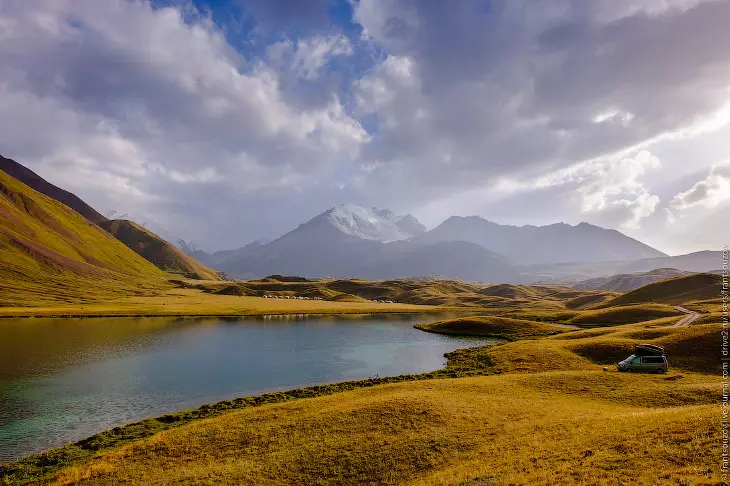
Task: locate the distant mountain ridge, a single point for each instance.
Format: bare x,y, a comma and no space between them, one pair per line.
555,243
373,224
331,244
350,241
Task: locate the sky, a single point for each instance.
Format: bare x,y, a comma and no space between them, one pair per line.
222,122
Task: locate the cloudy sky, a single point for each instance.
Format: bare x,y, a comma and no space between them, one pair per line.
224,122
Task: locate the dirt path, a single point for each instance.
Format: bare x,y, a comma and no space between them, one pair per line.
688,319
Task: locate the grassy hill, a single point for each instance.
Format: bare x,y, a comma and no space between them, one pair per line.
159,252
34,181
52,253
629,281
612,316
490,326
441,292
700,286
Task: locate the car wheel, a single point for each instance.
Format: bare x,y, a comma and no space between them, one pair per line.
659,371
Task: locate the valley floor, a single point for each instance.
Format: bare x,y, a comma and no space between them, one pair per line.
545,413
193,302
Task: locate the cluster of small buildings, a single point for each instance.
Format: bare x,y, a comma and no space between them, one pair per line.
291,297
384,301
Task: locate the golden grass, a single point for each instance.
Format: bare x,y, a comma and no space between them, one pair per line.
159,252
700,286
193,302
624,315
491,326
49,253
551,417
562,427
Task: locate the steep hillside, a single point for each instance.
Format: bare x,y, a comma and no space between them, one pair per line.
34,181
154,249
50,252
543,244
701,286
629,281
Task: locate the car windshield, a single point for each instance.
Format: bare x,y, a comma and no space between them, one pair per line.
628,360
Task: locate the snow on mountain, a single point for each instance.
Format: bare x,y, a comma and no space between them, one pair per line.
373,223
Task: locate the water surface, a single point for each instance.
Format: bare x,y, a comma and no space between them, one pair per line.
64,379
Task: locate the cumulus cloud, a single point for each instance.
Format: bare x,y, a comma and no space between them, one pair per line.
611,191
157,112
707,193
307,57
518,88
128,104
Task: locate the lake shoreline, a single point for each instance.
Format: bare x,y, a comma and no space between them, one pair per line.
33,315
41,312
463,362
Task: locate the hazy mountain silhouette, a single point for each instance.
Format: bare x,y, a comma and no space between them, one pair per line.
555,243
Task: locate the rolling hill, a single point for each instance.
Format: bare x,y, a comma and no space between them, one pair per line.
629,281
159,252
50,252
700,286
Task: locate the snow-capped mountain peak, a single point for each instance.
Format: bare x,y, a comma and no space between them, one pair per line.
373,223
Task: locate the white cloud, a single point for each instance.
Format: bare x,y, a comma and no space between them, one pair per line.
308,57
133,106
707,193
152,112
527,89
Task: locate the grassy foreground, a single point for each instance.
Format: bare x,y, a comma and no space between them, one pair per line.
545,413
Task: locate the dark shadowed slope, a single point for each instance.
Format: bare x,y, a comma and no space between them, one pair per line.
33,180
154,249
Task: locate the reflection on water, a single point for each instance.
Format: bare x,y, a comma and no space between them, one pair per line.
65,379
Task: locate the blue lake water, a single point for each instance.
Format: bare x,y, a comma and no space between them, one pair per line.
64,379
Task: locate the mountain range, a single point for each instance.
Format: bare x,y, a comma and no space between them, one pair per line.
350,241
555,243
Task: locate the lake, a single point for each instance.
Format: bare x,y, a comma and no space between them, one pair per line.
65,379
